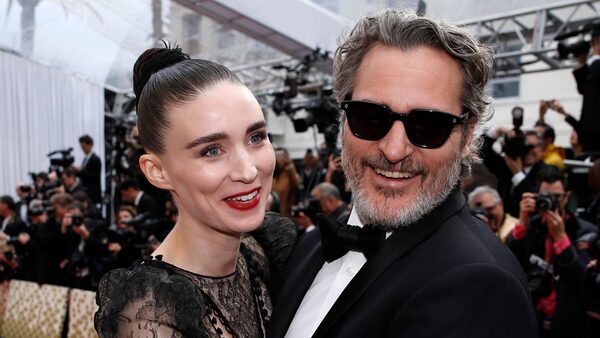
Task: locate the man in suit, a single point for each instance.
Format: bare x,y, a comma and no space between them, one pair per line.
143,203
90,169
416,263
587,76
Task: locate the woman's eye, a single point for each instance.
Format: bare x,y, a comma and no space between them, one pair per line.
258,138
211,151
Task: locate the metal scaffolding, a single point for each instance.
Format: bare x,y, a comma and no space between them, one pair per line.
524,40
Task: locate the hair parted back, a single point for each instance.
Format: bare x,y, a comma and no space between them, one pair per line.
167,77
405,30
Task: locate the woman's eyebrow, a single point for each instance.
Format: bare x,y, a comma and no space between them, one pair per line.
255,126
206,139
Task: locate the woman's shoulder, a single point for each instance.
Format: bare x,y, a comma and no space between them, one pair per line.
276,237
148,291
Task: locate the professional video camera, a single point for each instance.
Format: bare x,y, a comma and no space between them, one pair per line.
316,107
64,160
581,47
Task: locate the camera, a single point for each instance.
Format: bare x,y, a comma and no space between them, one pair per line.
25,188
515,147
545,202
310,207
76,220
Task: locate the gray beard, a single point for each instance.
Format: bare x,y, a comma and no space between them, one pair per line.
428,197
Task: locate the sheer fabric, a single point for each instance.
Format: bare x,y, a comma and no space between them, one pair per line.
157,299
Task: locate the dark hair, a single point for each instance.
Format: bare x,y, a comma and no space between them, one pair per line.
9,201
70,172
129,183
166,77
548,133
551,174
87,139
62,199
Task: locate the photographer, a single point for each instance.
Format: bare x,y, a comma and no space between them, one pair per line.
326,198
83,244
45,233
542,242
15,233
587,76
285,180
122,241
487,202
517,169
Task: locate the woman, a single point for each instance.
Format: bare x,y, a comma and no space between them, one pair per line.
207,144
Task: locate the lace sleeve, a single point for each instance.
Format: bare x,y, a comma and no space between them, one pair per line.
276,237
148,301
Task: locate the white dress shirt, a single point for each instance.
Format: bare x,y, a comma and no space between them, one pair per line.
329,283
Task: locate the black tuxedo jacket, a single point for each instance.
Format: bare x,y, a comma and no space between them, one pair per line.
588,85
90,178
445,276
148,205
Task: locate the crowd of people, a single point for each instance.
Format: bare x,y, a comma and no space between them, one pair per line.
519,184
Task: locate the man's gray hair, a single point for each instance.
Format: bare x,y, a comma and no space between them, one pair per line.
483,190
406,30
328,189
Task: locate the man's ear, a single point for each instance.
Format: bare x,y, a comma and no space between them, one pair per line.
469,139
153,170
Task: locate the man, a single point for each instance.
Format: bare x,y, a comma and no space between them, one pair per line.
143,203
548,231
71,183
586,75
90,169
16,233
432,269
487,200
330,203
516,173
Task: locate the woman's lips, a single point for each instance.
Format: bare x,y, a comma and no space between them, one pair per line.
244,201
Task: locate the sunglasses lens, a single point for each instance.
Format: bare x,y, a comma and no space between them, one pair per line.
429,129
366,120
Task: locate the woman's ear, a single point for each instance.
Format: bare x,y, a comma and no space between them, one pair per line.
152,168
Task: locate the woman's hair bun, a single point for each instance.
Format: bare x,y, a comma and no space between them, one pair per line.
152,61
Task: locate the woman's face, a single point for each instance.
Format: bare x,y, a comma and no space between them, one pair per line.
218,161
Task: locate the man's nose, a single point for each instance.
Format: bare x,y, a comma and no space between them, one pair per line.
395,144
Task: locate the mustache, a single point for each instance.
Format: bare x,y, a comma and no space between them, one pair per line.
408,165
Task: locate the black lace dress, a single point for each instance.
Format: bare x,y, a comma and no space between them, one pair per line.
156,299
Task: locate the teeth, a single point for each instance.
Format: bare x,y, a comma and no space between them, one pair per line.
393,174
245,198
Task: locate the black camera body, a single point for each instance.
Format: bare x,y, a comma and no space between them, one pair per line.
76,220
310,207
545,202
516,148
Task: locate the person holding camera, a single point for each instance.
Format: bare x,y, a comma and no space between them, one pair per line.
587,76
45,234
326,198
122,241
486,201
543,243
82,244
519,165
16,234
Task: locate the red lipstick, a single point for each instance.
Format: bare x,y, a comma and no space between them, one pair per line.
244,201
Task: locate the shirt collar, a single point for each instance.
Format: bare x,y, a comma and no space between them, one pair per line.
592,59
138,198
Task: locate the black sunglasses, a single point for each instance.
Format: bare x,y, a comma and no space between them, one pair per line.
425,128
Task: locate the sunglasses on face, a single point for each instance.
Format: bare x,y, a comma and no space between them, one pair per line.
425,128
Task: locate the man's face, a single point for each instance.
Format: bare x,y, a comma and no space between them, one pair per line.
493,209
536,153
558,190
68,181
129,195
393,182
85,147
3,209
326,203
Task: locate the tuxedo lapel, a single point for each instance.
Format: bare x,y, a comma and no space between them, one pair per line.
395,247
299,277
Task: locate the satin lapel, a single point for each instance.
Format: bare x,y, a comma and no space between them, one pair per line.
394,248
298,281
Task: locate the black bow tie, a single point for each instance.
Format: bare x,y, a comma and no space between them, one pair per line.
338,238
